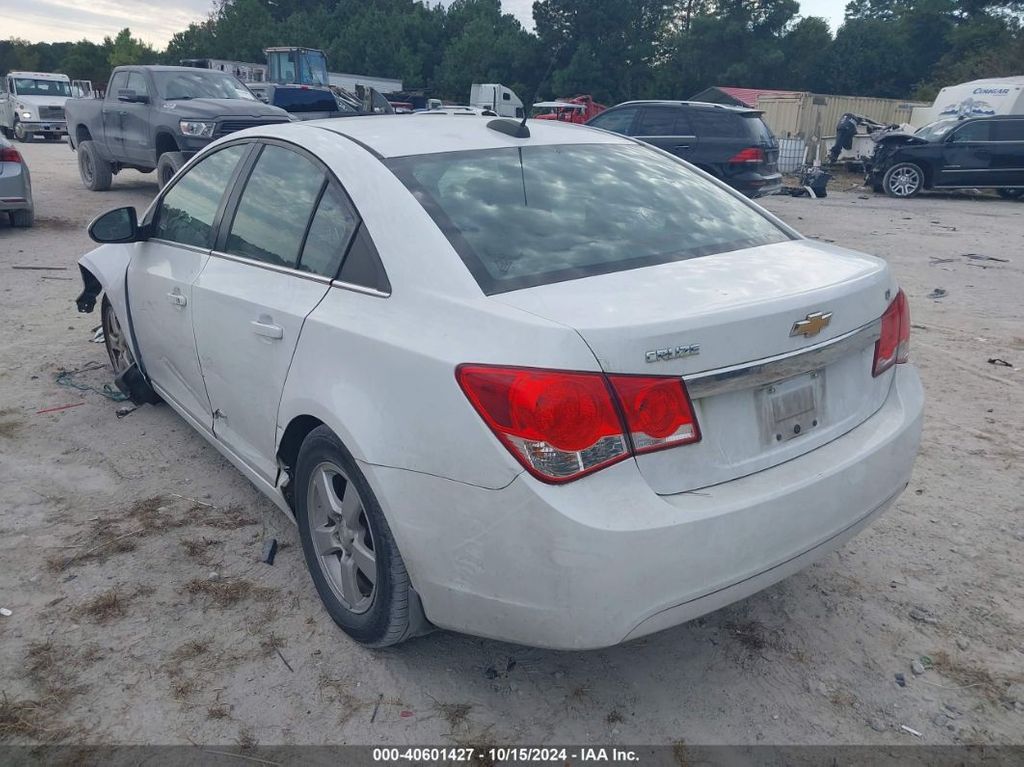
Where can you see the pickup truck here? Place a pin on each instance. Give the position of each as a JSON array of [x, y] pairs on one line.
[[156, 117]]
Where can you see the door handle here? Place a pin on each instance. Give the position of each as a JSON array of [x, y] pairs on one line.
[[267, 329], [177, 299]]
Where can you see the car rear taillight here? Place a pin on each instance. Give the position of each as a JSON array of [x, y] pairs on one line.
[[750, 154], [10, 154], [658, 411], [562, 425], [893, 347]]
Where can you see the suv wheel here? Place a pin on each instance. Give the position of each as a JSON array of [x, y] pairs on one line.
[[904, 179], [1011, 194]]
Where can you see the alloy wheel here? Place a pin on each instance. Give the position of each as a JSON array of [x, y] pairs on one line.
[[118, 348], [342, 537], [905, 181]]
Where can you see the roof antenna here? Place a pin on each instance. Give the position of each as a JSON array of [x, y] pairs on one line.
[[521, 130]]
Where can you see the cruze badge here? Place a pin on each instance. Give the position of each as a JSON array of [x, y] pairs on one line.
[[672, 353], [811, 325]]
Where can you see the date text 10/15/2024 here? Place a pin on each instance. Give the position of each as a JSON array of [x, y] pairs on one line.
[[504, 754]]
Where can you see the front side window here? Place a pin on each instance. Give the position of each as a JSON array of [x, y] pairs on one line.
[[332, 228], [275, 207], [615, 120], [186, 213], [529, 216], [137, 83], [976, 131], [118, 83]]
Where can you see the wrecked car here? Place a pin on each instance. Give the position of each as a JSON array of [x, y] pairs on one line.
[[535, 382], [971, 153]]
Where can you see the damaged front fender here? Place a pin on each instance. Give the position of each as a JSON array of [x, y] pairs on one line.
[[104, 270]]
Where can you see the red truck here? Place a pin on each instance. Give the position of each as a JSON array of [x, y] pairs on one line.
[[578, 109]]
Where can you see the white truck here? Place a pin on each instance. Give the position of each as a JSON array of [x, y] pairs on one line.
[[498, 98], [32, 104], [977, 98]]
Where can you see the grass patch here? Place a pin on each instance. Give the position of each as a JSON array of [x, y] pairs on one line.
[[228, 592], [967, 675], [455, 714]]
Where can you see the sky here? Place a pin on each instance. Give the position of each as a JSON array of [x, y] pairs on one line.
[[155, 21]]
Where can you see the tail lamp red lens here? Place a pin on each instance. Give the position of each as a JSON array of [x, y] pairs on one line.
[[10, 154], [893, 347], [563, 425], [750, 154]]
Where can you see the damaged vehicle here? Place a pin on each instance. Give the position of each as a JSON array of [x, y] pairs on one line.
[[970, 153], [528, 381]]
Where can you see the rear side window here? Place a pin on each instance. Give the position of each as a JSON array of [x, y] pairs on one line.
[[329, 234], [275, 207], [615, 120], [1008, 130], [187, 211], [663, 121], [717, 123], [521, 217]]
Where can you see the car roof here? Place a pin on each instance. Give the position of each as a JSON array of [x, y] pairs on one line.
[[391, 136], [696, 104]]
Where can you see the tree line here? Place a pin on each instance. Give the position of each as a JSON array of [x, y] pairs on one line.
[[613, 49]]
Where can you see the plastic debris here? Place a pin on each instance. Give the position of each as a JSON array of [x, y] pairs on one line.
[[937, 293], [5, 612], [59, 407], [98, 336], [121, 412], [911, 730], [900, 679], [1001, 362], [269, 551]]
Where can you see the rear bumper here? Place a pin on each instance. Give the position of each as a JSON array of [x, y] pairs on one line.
[[604, 560], [756, 184]]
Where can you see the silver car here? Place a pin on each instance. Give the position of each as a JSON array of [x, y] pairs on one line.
[[15, 186]]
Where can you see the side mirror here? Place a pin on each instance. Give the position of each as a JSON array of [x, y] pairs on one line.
[[132, 97], [118, 225]]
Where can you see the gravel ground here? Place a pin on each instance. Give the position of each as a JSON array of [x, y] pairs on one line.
[[112, 529]]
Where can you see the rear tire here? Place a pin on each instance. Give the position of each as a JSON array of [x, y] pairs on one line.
[[96, 172], [1011, 194], [23, 219], [168, 164], [348, 546], [903, 180]]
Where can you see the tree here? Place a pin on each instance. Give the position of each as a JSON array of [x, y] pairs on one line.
[[125, 49]]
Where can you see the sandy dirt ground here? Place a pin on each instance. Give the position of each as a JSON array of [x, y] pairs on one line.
[[111, 531]]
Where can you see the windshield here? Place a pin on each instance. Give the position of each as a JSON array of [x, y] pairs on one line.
[[32, 87], [937, 129], [521, 217], [200, 84]]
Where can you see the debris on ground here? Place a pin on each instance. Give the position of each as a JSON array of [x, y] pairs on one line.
[[41, 268], [900, 679], [1000, 362], [979, 257], [98, 336], [58, 408], [921, 615], [911, 730], [5, 612], [121, 412], [937, 293], [269, 551], [917, 667], [67, 378]]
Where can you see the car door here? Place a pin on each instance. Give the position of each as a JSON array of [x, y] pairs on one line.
[[1008, 153], [162, 270], [113, 115], [273, 264], [668, 128], [967, 156], [138, 145]]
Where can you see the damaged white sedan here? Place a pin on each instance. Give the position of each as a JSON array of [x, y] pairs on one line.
[[530, 381]]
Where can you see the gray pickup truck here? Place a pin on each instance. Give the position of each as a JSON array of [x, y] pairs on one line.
[[155, 118]]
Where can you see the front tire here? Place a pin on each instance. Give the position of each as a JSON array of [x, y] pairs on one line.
[[23, 219], [349, 549], [903, 180], [168, 164], [1011, 194], [119, 349], [21, 134], [96, 172]]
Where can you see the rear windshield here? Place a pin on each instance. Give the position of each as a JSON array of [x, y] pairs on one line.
[[758, 130], [521, 217], [306, 100]]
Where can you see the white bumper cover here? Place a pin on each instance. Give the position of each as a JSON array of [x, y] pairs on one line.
[[603, 560]]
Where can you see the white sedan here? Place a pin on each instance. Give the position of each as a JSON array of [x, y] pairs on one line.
[[535, 382]]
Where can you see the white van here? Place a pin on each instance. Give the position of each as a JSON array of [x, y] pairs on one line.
[[978, 98], [32, 103], [498, 98]]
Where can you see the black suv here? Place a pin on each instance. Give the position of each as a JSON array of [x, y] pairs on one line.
[[731, 143], [974, 153]]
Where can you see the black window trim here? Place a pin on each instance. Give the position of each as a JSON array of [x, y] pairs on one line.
[[650, 107]]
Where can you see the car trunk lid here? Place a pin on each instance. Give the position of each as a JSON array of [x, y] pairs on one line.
[[769, 339]]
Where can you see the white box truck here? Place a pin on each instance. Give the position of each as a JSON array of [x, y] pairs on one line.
[[500, 99], [32, 103], [993, 96]]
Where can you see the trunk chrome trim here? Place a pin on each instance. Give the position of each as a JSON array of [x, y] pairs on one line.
[[772, 369]]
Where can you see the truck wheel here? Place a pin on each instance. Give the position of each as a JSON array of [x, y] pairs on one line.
[[904, 179], [94, 170], [168, 164], [21, 134], [22, 218], [1011, 194]]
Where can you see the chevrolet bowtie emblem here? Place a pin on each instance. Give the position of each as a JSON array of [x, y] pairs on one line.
[[814, 323]]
